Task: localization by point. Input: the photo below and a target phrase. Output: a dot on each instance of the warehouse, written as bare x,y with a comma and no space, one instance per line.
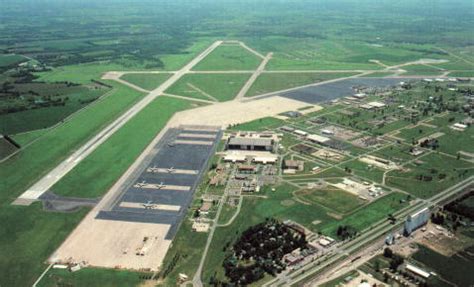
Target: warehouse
250,143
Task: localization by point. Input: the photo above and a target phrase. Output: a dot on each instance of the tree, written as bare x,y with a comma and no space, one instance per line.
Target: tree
388,252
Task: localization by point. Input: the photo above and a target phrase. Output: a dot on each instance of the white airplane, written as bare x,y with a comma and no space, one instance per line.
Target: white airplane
160,185
149,205
171,169
140,184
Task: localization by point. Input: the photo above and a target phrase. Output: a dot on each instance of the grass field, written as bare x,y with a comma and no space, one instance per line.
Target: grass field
10,59
97,173
229,57
28,240
90,277
81,74
333,198
146,81
39,118
211,87
271,82
433,165
25,138
365,217
421,70
258,125
27,166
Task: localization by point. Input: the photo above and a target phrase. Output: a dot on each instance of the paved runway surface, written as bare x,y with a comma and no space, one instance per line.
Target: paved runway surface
339,89
172,187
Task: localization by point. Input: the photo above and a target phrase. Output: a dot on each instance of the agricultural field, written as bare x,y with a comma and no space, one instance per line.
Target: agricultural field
210,87
146,81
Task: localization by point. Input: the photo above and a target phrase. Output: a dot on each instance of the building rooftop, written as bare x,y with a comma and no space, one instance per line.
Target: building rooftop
254,141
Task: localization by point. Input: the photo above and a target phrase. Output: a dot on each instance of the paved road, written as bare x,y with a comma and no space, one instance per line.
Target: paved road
45,183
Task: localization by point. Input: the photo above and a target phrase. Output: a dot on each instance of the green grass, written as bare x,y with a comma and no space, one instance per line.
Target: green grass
229,57
28,237
82,73
368,215
421,70
96,173
211,87
39,118
22,170
90,277
433,165
146,81
259,125
462,74
255,210
187,247
10,59
25,138
416,133
332,198
271,82
365,171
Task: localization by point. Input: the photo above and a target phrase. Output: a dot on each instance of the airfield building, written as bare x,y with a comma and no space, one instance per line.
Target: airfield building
416,220
250,143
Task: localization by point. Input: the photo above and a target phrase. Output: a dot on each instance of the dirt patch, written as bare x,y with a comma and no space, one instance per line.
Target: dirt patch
287,202
334,215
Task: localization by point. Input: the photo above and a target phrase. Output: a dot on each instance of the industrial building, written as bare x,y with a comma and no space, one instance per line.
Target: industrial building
416,220
250,143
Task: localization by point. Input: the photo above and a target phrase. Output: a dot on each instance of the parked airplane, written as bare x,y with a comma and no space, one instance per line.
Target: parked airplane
140,184
171,169
149,205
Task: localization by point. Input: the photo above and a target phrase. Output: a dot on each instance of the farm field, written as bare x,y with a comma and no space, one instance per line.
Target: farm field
271,82
97,173
210,87
146,81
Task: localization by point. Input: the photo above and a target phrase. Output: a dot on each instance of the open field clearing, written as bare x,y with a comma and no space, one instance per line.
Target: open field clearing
146,81
12,59
430,174
332,198
365,217
27,137
91,277
66,100
95,174
271,82
211,87
258,125
29,239
229,57
422,70
29,164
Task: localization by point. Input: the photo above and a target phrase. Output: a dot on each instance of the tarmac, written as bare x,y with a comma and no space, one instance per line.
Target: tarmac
164,180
